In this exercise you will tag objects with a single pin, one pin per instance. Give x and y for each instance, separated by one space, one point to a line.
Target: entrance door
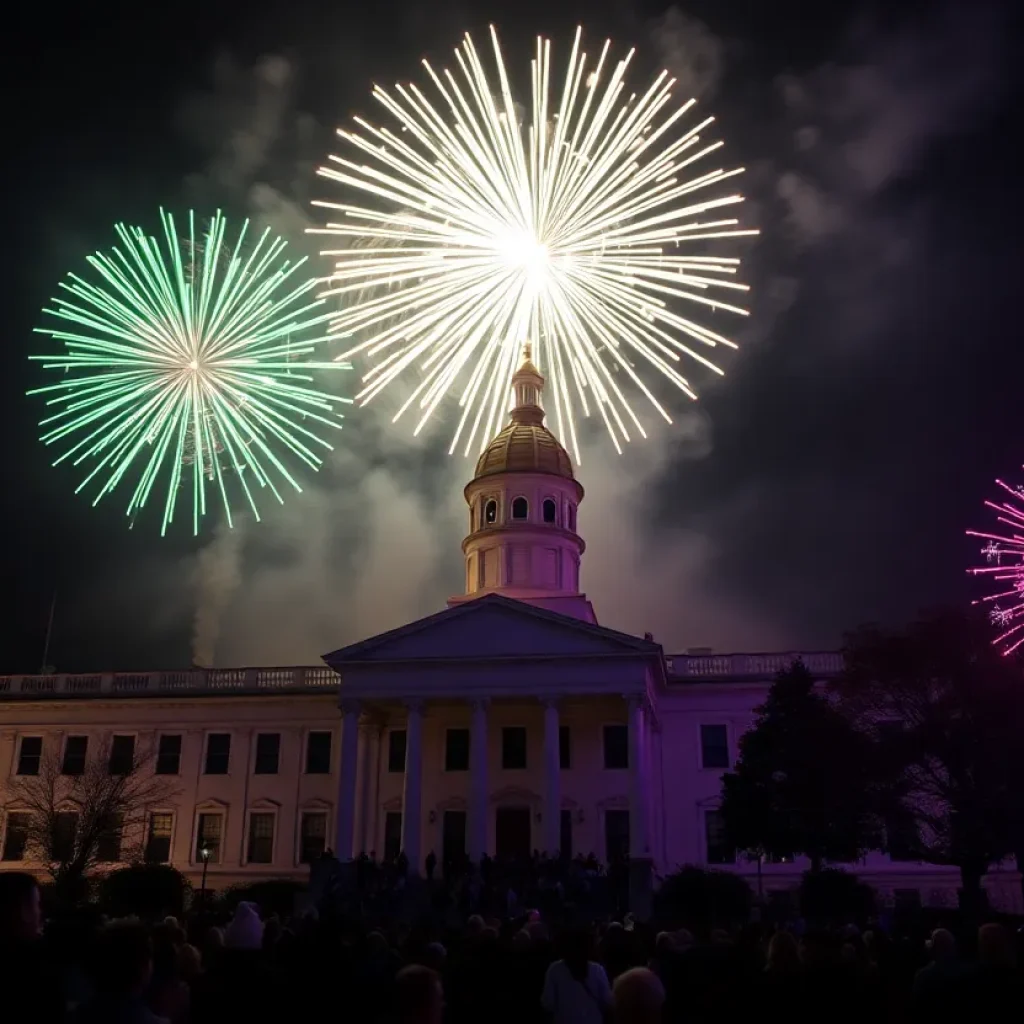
512 832
453 837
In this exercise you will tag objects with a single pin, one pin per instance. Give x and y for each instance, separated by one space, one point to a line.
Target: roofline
646 647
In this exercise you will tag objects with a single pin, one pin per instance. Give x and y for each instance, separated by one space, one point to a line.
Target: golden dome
524 448
525 445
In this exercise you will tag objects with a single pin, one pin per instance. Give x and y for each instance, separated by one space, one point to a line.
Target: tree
96 812
150 891
804 781
945 709
703 900
836 897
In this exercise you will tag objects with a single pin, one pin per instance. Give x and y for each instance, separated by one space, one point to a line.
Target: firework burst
583 224
184 367
1003 570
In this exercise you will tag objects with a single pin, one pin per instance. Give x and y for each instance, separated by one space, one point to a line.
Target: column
412 794
552 780
366 780
639 795
478 790
347 780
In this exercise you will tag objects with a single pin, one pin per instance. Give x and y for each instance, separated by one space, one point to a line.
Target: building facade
511 721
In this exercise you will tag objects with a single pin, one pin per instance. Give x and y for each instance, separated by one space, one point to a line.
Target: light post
204 855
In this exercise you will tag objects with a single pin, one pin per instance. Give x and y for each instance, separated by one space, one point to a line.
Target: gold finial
527 352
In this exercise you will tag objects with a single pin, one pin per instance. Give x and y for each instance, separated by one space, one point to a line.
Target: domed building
508 722
523 502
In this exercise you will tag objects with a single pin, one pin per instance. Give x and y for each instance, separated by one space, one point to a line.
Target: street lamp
204 856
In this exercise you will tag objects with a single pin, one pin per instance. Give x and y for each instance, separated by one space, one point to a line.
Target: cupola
523 500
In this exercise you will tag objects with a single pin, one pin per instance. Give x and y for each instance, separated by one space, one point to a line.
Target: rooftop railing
320 678
750 666
302 679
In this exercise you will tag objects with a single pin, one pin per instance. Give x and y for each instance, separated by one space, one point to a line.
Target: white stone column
478 789
552 780
367 735
349 761
639 795
412 794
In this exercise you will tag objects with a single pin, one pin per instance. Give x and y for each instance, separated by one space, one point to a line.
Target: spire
528 384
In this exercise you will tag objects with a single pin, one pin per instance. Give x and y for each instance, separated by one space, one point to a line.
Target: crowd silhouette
525 942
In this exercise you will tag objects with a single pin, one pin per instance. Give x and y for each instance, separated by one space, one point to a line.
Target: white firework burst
582 223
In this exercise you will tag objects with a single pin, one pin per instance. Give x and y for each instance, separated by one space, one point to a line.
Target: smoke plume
218 572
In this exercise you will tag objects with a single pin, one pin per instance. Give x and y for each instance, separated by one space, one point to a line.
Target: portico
546 757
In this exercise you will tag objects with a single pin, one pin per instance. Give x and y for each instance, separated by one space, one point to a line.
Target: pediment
452 803
514 794
492 627
212 804
265 804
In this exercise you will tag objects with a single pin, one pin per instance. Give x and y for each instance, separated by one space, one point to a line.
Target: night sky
825 481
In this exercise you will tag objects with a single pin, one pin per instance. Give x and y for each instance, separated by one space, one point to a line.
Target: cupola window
490 512
520 508
549 509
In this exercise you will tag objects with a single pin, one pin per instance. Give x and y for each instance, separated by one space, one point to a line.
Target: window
122 755
453 838
392 835
714 746
490 512
158 838
218 753
268 753
168 755
261 838
396 750
318 753
16 836
520 508
513 748
616 746
75 748
312 836
565 835
65 828
108 845
719 851
30 754
564 747
616 835
456 750
550 510
208 836
571 517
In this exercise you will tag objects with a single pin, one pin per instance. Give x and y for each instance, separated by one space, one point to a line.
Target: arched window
549 509
572 516
520 509
490 512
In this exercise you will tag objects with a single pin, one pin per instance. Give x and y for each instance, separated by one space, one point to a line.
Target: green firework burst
186 367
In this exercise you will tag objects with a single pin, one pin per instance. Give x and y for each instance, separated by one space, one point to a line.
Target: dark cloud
826 479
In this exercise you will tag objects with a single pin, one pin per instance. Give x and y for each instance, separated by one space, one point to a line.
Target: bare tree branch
73 817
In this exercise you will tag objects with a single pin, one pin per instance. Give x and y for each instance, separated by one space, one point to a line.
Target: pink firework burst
1003 570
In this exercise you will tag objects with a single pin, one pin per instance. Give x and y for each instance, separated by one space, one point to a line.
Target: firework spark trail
577 230
189 371
1004 557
